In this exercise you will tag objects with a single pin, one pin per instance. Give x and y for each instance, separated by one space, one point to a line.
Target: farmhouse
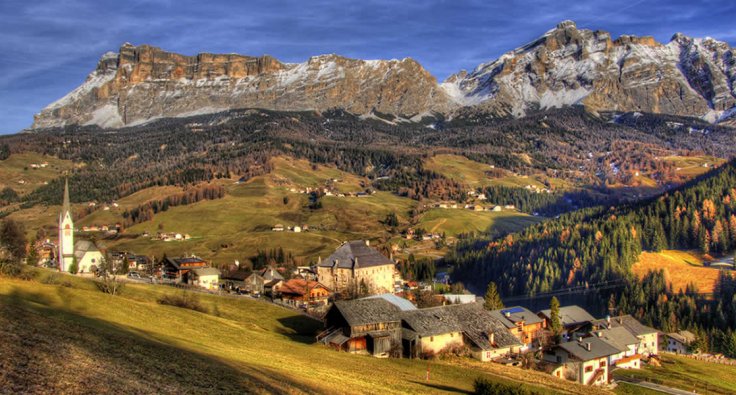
522 323
623 341
207 278
298 291
573 319
364 326
177 269
355 264
648 337
583 360
679 342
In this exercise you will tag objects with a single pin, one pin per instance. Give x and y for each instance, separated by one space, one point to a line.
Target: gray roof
684 337
367 311
471 319
206 271
81 247
511 315
571 315
402 303
598 348
618 337
355 254
627 321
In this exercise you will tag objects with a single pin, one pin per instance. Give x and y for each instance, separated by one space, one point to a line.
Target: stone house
355 265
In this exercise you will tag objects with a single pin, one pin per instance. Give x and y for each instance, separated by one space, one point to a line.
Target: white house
679 342
207 278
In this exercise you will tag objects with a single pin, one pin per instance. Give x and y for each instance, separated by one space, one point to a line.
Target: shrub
483 386
109 284
186 300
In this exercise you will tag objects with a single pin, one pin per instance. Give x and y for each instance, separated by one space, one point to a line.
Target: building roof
589 348
402 303
269 273
511 315
66 206
460 298
355 254
206 271
272 283
684 337
571 315
238 275
478 325
298 286
82 247
178 262
618 337
627 321
367 311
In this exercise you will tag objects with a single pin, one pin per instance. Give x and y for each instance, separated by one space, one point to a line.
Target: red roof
297 286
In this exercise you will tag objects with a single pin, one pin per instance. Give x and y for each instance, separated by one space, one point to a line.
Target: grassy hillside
16 171
681 267
474 173
688 374
75 339
456 221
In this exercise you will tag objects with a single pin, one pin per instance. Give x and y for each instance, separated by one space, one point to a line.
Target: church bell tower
66 233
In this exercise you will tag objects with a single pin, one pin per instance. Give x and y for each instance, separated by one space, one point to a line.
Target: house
434 330
648 337
254 283
278 228
177 269
207 278
87 255
235 278
522 323
272 287
680 342
270 273
623 341
573 318
355 265
582 360
298 292
363 326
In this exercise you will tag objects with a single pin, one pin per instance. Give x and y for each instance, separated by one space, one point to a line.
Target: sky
48 47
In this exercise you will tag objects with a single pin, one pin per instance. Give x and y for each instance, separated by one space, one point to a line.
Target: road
657 387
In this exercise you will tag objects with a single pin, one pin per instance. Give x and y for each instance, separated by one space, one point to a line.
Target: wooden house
522 323
299 291
178 269
365 326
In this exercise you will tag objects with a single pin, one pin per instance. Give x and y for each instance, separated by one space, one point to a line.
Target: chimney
507 314
608 319
492 338
587 346
580 339
368 243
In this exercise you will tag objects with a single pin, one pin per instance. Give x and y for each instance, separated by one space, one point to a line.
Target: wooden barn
365 326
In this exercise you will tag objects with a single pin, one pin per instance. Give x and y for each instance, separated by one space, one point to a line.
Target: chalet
270 273
207 278
430 331
177 269
573 318
648 337
522 323
680 342
353 264
364 326
235 278
582 360
626 344
298 292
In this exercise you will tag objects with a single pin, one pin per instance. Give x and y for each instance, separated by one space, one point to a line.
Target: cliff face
144 82
566 66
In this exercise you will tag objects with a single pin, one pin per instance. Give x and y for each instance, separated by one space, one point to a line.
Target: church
84 252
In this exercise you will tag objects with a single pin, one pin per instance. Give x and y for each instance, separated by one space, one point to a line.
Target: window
431 338
588 369
603 363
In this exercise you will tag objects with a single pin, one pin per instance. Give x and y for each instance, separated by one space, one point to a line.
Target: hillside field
62 335
474 174
16 171
682 268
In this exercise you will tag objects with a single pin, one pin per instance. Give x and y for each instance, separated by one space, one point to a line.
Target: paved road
660 388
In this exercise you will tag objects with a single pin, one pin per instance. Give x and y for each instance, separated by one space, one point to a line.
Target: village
367 308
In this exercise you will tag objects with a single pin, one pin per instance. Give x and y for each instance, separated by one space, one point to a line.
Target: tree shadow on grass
300 328
445 388
53 350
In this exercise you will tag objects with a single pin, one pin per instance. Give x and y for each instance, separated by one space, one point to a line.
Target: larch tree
492 298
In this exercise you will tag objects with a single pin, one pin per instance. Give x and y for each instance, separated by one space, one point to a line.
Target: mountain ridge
565 66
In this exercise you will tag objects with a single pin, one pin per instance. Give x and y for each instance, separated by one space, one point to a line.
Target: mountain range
565 66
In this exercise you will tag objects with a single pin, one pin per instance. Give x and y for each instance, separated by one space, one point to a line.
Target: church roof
66 206
81 247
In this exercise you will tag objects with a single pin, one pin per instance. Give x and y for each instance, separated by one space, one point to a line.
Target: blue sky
47 48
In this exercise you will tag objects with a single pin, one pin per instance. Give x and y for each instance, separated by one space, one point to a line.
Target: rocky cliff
141 83
566 66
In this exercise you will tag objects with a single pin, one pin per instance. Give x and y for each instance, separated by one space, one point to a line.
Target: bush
109 284
483 386
56 279
186 300
10 269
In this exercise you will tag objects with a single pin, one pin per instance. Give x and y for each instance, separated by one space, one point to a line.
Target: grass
17 168
691 166
681 267
473 173
456 221
688 374
77 339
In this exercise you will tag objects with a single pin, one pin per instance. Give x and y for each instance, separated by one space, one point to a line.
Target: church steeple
66 207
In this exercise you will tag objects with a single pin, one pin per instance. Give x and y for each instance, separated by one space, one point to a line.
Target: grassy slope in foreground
61 339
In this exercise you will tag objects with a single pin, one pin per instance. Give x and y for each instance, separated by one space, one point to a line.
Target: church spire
66 208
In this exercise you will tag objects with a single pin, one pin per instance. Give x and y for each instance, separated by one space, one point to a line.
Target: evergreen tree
492 298
554 320
74 267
